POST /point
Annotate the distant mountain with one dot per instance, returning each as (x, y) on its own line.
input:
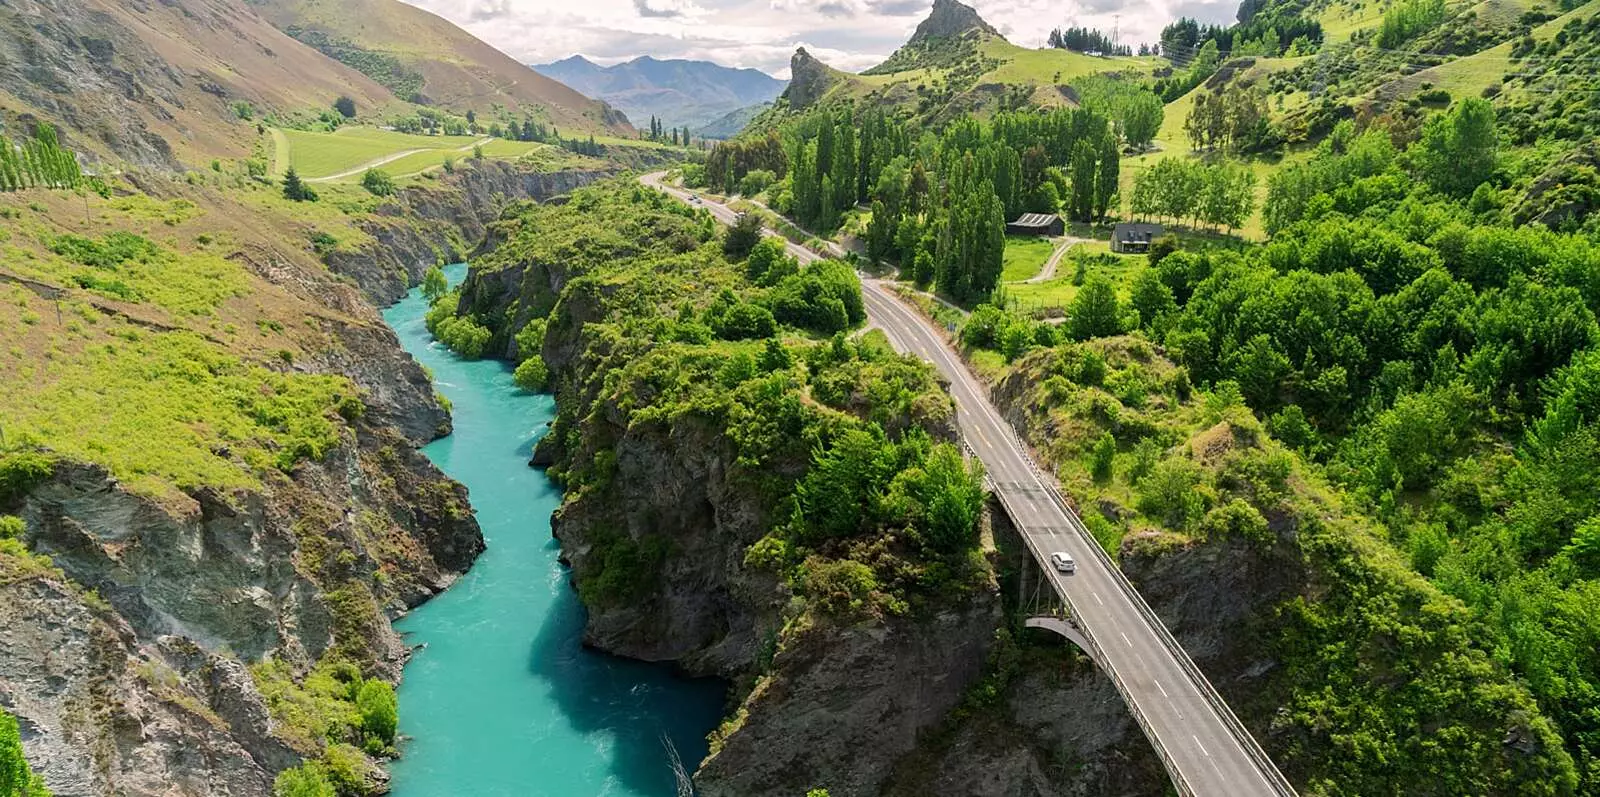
(729, 124)
(679, 92)
(421, 57)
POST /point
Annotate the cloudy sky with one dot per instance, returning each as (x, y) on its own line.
(847, 34)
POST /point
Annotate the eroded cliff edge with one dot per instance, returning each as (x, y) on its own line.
(169, 642)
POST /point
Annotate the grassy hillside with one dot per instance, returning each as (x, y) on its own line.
(426, 58)
(158, 84)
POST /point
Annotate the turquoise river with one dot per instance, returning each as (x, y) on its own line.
(504, 700)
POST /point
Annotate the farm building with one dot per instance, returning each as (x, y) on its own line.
(1037, 224)
(1134, 238)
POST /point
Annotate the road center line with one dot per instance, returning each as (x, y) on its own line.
(1199, 745)
(1125, 639)
(1097, 599)
(1163, 689)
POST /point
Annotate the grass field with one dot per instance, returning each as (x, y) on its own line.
(1058, 293)
(316, 155)
(1024, 257)
(1048, 65)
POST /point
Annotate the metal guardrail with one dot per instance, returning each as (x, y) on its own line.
(1241, 734)
(1096, 652)
(1246, 740)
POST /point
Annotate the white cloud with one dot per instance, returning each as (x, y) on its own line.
(847, 34)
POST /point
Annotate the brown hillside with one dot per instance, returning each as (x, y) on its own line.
(152, 83)
(459, 71)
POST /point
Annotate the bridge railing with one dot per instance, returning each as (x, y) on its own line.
(1096, 652)
(1246, 740)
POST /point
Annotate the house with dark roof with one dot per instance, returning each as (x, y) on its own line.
(1134, 238)
(1047, 224)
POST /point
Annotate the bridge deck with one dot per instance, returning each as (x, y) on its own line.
(1202, 744)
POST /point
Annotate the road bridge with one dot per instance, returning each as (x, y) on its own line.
(1204, 747)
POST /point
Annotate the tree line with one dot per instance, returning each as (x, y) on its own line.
(1236, 121)
(939, 201)
(679, 136)
(1220, 195)
(1086, 40)
(38, 162)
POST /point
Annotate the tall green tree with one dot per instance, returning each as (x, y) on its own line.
(1108, 175)
(1459, 150)
(1084, 169)
(1095, 312)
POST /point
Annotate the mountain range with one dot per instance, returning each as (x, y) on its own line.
(678, 92)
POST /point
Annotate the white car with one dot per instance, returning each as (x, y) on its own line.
(1063, 562)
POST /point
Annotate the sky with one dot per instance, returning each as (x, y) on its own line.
(846, 34)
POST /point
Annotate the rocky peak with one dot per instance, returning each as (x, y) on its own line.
(809, 79)
(951, 18)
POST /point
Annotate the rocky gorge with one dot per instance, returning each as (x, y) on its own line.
(159, 649)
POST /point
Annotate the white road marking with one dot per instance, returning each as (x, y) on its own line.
(1097, 599)
(1125, 639)
(1199, 745)
(1163, 690)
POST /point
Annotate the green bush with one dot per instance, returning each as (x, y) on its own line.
(531, 374)
(379, 712)
(378, 182)
(307, 780)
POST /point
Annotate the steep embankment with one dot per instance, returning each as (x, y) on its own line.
(213, 440)
(716, 516)
(1332, 651)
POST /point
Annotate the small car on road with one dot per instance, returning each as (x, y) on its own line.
(1063, 562)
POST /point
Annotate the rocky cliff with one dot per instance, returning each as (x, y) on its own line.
(162, 647)
(664, 508)
(424, 225)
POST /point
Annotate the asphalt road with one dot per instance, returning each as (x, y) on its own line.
(1205, 752)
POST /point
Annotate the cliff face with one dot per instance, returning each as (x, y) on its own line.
(424, 225)
(127, 670)
(132, 660)
(842, 704)
(658, 521)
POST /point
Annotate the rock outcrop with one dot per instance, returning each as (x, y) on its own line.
(809, 80)
(843, 704)
(949, 19)
(424, 225)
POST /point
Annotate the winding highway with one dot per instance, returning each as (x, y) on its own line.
(1202, 744)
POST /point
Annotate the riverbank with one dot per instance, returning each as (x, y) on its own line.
(504, 700)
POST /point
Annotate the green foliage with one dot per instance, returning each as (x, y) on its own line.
(295, 189)
(307, 780)
(379, 713)
(377, 182)
(1103, 457)
(1407, 19)
(463, 334)
(434, 285)
(1095, 311)
(387, 70)
(20, 472)
(742, 237)
(345, 106)
(532, 375)
(1459, 150)
(16, 777)
(38, 162)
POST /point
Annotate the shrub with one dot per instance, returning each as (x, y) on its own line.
(307, 780)
(379, 711)
(532, 375)
(295, 189)
(378, 182)
(742, 237)
(1103, 457)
